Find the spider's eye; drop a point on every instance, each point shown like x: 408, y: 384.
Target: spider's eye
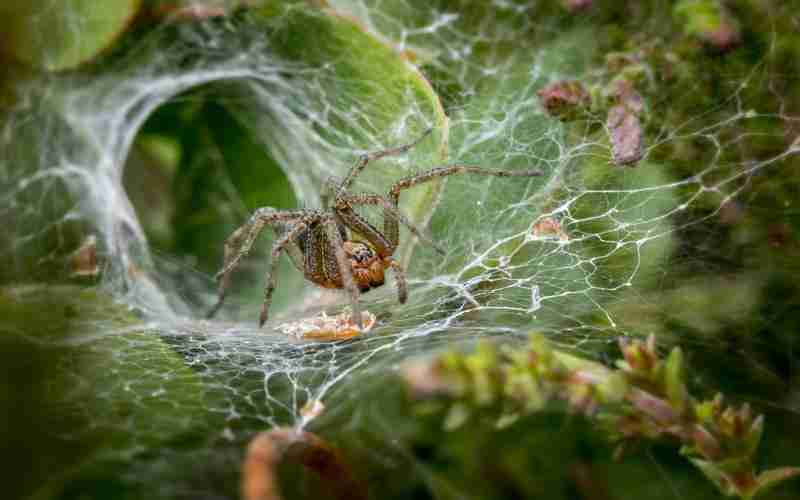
x: 362, y: 254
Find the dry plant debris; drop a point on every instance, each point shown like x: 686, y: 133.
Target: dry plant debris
x: 328, y: 328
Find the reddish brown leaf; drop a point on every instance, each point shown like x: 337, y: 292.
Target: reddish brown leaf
x: 626, y: 135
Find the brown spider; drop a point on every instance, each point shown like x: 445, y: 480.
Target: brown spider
x: 336, y: 247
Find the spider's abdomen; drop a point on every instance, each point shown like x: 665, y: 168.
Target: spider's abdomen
x: 319, y: 257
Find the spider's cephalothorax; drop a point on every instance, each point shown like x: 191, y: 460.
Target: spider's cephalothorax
x: 368, y: 268
x: 336, y: 247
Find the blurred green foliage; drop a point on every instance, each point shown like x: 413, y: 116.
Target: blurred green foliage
x: 62, y: 36
x: 70, y: 404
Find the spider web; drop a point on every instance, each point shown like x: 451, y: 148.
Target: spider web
x: 69, y: 140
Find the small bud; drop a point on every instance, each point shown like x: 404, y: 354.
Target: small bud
x: 708, y: 21
x: 640, y: 358
x: 724, y: 38
x: 705, y: 443
x: 656, y: 408
x: 574, y: 6
x: 424, y: 379
x: 565, y: 99
x: 746, y: 414
x: 674, y: 381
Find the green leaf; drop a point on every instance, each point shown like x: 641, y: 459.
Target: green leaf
x: 700, y: 16
x: 713, y: 473
x: 457, y: 416
x: 753, y: 437
x: 61, y: 35
x: 100, y: 384
x: 675, y: 381
x: 234, y: 152
x: 771, y: 478
x: 371, y: 87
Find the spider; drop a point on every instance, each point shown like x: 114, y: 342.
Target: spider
x: 335, y: 247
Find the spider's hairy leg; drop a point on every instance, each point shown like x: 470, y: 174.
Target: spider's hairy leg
x: 400, y: 279
x: 252, y: 228
x: 344, y: 268
x: 240, y: 242
x: 438, y: 172
x: 390, y: 213
x: 232, y: 245
x: 356, y: 169
x: 329, y: 190
x: 272, y: 272
x: 357, y: 224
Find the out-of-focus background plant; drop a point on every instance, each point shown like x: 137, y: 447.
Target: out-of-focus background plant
x: 621, y: 327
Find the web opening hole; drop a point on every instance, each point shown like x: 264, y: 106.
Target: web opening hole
x: 195, y: 173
